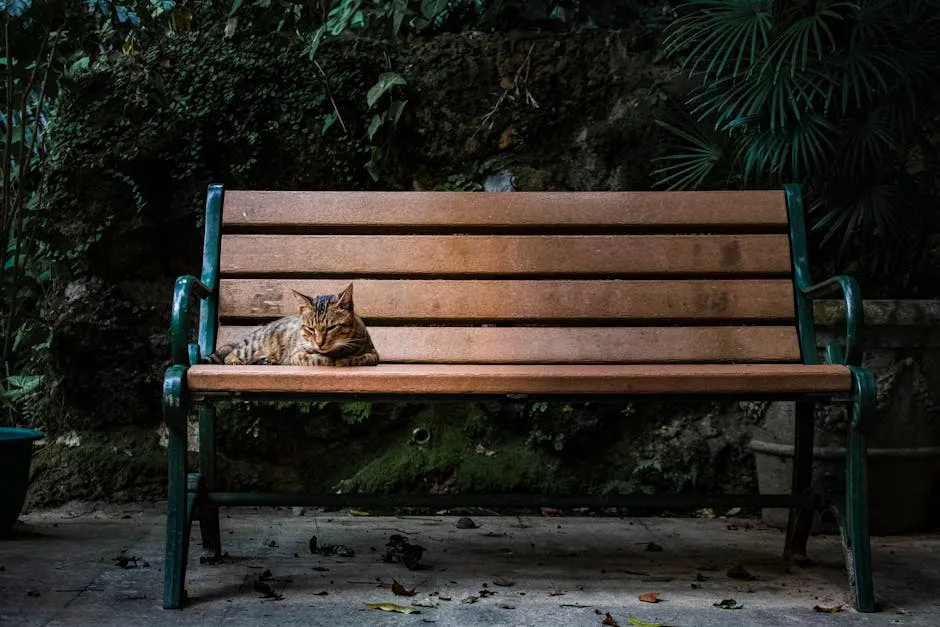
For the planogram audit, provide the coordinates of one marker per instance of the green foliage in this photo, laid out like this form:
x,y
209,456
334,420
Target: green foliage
x,y
354,413
45,44
451,461
838,95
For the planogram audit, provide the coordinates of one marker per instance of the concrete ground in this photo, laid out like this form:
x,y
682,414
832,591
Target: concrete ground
x,y
80,565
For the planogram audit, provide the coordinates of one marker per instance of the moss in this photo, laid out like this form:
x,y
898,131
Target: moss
x,y
450,460
114,465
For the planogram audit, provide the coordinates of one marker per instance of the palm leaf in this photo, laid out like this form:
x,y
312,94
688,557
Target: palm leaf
x,y
717,31
691,168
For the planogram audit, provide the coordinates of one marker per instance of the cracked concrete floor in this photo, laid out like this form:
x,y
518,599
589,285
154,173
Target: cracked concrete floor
x,y
61,568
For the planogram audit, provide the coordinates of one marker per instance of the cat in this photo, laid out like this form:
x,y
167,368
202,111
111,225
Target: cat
x,y
326,332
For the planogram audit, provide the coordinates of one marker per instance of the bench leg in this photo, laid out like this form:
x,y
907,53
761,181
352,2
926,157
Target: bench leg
x,y
208,514
178,503
800,521
855,538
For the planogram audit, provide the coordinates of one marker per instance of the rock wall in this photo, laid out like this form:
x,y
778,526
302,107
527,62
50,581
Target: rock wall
x,y
138,140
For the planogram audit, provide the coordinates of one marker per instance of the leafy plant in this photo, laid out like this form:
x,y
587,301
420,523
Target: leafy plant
x,y
44,46
834,94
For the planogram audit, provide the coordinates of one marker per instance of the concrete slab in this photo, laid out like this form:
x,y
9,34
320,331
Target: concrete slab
x,y
63,568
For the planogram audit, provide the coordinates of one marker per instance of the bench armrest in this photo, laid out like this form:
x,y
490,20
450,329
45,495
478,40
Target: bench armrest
x,y
185,288
854,318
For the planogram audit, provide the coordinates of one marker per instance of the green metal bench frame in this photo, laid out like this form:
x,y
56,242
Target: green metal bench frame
x,y
194,495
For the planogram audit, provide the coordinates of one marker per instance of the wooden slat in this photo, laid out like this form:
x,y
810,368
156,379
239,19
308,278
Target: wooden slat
x,y
577,344
539,379
548,300
437,255
290,209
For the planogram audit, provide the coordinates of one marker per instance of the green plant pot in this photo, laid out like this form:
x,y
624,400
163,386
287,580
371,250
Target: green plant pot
x,y
16,452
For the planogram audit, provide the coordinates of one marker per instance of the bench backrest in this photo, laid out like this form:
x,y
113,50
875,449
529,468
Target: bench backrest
x,y
523,277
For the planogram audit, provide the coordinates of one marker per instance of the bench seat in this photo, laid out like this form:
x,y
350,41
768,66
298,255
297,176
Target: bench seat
x,y
538,379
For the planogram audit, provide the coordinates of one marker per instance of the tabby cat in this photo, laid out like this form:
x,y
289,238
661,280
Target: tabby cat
x,y
326,332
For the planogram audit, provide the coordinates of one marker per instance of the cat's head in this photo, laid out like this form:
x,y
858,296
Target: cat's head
x,y
328,321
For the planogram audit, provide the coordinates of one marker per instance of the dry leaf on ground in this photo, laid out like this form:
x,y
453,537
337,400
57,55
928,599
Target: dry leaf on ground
x,y
650,597
736,571
401,591
827,610
609,621
392,607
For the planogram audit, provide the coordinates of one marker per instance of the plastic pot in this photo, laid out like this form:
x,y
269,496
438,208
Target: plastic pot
x,y
16,452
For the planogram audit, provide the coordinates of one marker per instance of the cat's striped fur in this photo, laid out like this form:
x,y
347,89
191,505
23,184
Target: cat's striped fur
x,y
326,332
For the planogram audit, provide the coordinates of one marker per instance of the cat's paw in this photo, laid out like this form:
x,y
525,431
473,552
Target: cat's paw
x,y
303,358
232,360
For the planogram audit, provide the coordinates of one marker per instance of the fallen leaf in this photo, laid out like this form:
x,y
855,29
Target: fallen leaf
x,y
485,593
505,140
640,623
734,511
729,604
266,591
445,598
401,591
470,599
609,620
550,511
502,581
736,571
652,546
358,512
650,597
426,602
555,593
828,610
392,607
705,513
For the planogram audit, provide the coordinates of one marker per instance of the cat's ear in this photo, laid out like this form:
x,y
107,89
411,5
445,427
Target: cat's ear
x,y
344,299
305,301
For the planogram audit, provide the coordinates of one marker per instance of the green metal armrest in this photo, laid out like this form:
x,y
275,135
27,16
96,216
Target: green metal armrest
x,y
186,286
854,318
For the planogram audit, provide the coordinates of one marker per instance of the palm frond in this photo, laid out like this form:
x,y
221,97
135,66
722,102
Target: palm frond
x,y
693,167
715,31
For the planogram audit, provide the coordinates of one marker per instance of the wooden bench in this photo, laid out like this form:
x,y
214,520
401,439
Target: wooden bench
x,y
549,295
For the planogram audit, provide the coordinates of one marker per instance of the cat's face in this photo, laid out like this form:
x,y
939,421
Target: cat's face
x,y
327,321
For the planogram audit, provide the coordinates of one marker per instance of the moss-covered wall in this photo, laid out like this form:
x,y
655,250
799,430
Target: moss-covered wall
x,y
138,140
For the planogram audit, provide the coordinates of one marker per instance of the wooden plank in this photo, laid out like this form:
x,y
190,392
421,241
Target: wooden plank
x,y
545,300
382,210
577,344
437,255
525,379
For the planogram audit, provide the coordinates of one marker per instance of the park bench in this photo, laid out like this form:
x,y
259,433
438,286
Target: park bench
x,y
541,295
